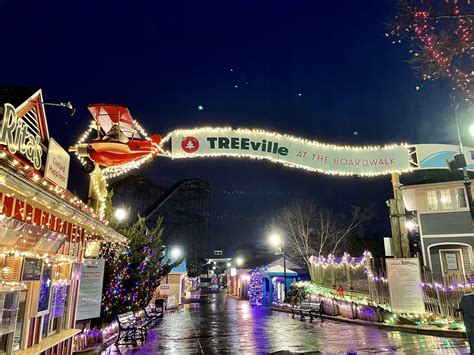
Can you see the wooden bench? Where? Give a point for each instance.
(313, 309)
(131, 329)
(153, 316)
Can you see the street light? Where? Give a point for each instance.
(471, 129)
(176, 253)
(278, 241)
(275, 240)
(467, 181)
(120, 214)
(239, 261)
(410, 225)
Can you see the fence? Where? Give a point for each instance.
(441, 294)
(347, 271)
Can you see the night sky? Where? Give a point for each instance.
(320, 70)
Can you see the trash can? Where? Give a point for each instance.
(467, 310)
(160, 306)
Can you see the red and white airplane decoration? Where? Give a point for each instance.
(119, 141)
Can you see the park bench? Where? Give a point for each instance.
(313, 309)
(131, 329)
(152, 316)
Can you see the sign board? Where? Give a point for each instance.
(404, 282)
(312, 155)
(57, 165)
(171, 302)
(296, 152)
(165, 290)
(451, 261)
(388, 245)
(90, 291)
(31, 269)
(21, 136)
(433, 156)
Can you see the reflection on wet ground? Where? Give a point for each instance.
(217, 324)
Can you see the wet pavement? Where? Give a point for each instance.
(218, 324)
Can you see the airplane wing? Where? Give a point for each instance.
(109, 114)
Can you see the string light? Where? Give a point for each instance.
(278, 136)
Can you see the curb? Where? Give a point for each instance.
(403, 328)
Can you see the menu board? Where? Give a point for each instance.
(31, 269)
(90, 291)
(404, 282)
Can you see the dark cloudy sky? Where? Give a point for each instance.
(315, 69)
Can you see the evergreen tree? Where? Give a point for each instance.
(133, 272)
(256, 287)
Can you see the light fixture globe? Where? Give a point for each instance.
(175, 253)
(275, 239)
(120, 214)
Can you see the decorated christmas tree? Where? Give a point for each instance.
(256, 287)
(134, 271)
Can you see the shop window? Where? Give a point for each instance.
(58, 306)
(4, 344)
(460, 198)
(445, 199)
(45, 332)
(19, 322)
(432, 200)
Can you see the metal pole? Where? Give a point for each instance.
(284, 273)
(284, 266)
(467, 181)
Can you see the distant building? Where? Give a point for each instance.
(445, 225)
(272, 277)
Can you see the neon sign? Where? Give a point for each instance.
(16, 135)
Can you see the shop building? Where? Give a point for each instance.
(44, 231)
(273, 278)
(445, 226)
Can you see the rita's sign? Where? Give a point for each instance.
(24, 134)
(18, 137)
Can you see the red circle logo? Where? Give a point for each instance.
(190, 144)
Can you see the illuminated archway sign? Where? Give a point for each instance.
(310, 155)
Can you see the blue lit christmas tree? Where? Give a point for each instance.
(256, 287)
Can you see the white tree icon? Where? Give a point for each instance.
(190, 145)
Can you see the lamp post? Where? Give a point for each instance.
(120, 214)
(467, 181)
(278, 241)
(174, 254)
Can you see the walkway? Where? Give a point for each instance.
(217, 324)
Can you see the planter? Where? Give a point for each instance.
(329, 306)
(369, 313)
(346, 309)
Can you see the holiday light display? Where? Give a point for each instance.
(255, 292)
(442, 33)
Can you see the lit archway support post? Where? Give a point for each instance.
(401, 245)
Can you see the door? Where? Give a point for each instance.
(451, 262)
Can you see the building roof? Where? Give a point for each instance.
(422, 177)
(270, 261)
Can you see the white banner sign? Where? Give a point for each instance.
(291, 151)
(90, 292)
(404, 282)
(57, 165)
(433, 156)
